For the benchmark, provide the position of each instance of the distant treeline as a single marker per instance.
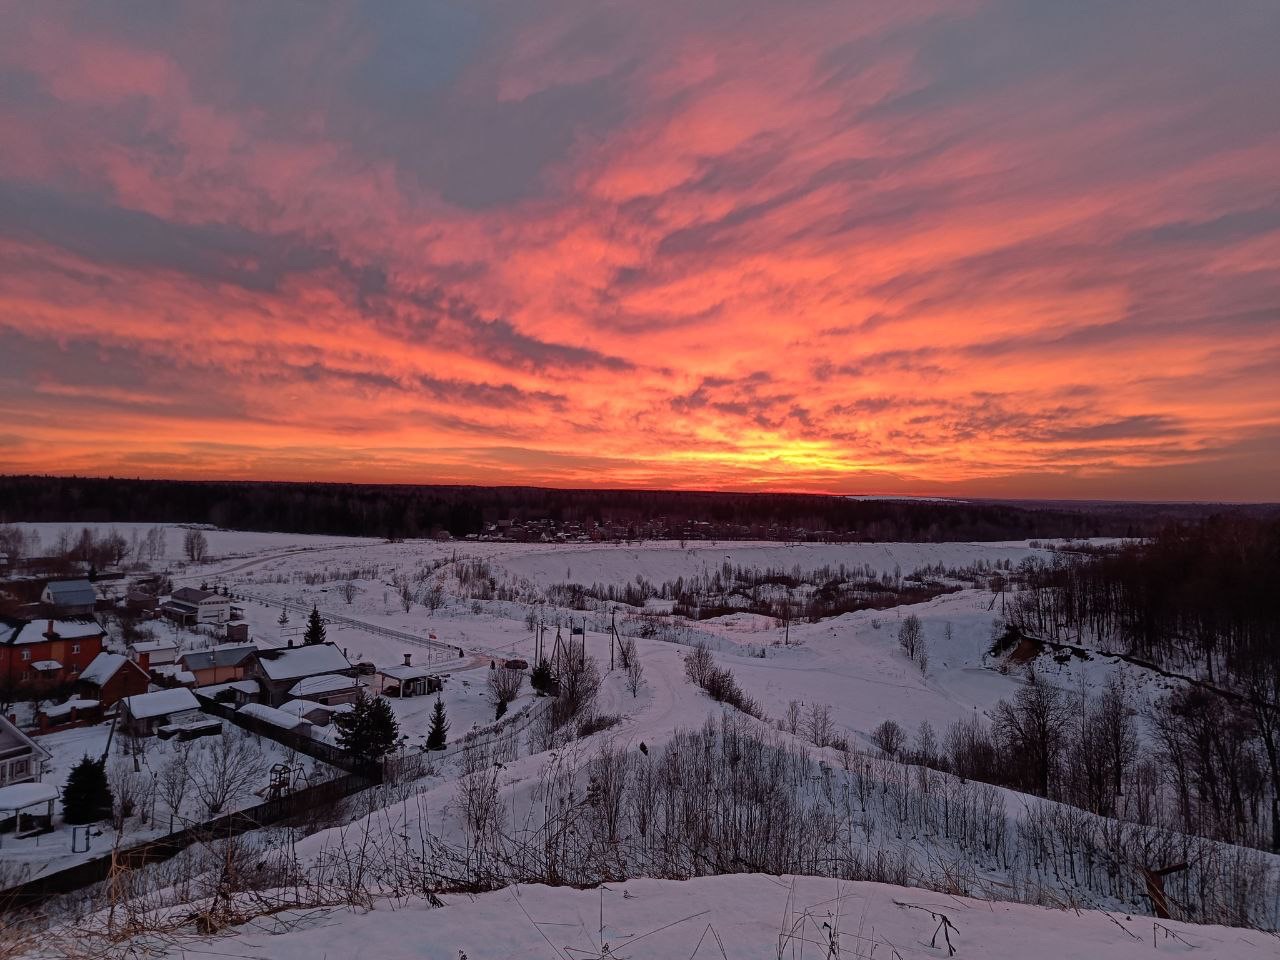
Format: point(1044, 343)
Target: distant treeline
point(420, 511)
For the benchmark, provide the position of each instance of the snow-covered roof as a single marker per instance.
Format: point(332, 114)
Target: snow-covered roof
point(43, 665)
point(192, 595)
point(64, 709)
point(75, 629)
point(15, 632)
point(242, 686)
point(300, 708)
point(291, 663)
point(103, 667)
point(152, 646)
point(400, 671)
point(221, 656)
point(327, 683)
point(144, 706)
point(9, 630)
point(71, 592)
point(18, 796)
point(271, 715)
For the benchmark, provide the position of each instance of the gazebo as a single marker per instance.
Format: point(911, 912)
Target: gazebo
point(18, 798)
point(412, 680)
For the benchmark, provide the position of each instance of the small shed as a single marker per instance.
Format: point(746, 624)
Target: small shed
point(146, 712)
point(153, 653)
point(276, 718)
point(309, 710)
point(236, 692)
point(329, 689)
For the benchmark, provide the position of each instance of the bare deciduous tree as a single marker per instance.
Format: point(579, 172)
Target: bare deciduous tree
point(889, 738)
point(817, 724)
point(173, 779)
point(505, 683)
point(227, 770)
point(195, 545)
point(911, 636)
point(635, 671)
point(348, 590)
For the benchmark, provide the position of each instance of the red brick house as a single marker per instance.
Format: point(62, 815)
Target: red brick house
point(45, 654)
point(110, 678)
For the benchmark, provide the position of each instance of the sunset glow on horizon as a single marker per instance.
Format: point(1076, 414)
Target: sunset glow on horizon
point(972, 248)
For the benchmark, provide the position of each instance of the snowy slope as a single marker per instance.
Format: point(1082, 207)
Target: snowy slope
point(738, 917)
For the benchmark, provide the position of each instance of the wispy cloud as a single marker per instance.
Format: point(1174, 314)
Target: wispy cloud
point(1000, 246)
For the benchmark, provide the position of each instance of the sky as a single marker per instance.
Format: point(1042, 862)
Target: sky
point(1008, 248)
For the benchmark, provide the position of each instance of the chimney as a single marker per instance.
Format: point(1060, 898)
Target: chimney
point(49, 630)
point(407, 658)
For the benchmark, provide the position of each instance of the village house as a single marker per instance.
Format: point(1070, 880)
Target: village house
point(21, 758)
point(26, 804)
point(220, 664)
point(280, 670)
point(153, 653)
point(189, 606)
point(144, 714)
point(69, 598)
point(42, 655)
point(111, 677)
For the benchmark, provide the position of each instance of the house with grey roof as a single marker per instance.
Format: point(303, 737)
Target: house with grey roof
point(281, 670)
point(69, 598)
point(220, 664)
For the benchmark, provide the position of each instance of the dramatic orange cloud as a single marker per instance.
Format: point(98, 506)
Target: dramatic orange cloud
point(1001, 247)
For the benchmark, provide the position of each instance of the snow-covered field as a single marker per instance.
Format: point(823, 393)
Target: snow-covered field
point(851, 664)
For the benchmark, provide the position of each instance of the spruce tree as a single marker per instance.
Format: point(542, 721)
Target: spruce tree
point(315, 628)
point(284, 617)
point(86, 797)
point(437, 735)
point(367, 732)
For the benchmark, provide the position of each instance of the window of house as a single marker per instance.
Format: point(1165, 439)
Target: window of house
point(26, 654)
point(19, 768)
point(75, 648)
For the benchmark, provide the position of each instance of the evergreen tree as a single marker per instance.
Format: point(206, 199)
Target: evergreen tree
point(437, 735)
point(283, 618)
point(315, 628)
point(368, 732)
point(541, 679)
point(86, 797)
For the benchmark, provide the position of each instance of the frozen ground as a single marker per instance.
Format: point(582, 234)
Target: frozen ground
point(742, 917)
point(851, 663)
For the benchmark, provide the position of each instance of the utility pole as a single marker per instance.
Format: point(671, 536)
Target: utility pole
point(613, 634)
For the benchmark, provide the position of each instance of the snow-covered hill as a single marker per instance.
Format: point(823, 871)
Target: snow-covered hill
point(740, 917)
